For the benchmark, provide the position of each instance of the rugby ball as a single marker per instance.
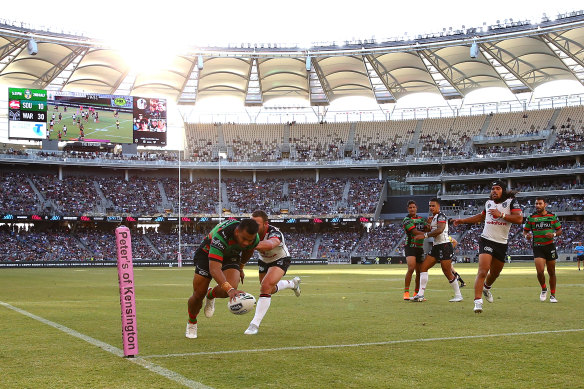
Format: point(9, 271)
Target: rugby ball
point(242, 303)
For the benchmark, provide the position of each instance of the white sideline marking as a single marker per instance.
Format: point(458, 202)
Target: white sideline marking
point(113, 350)
point(361, 344)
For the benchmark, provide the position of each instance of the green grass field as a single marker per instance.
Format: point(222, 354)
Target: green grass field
point(349, 329)
point(105, 129)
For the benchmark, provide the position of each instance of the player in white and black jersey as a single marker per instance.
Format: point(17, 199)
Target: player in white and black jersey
point(273, 265)
point(501, 210)
point(442, 251)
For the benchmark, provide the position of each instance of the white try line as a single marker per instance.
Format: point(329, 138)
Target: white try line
point(113, 350)
point(301, 348)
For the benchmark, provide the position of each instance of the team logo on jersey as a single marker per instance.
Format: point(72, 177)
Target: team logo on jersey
point(505, 204)
point(489, 205)
point(217, 243)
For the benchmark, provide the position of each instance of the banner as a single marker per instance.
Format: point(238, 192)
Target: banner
point(127, 291)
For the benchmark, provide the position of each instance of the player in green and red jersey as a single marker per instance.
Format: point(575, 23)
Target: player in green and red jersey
point(221, 256)
point(543, 227)
point(414, 227)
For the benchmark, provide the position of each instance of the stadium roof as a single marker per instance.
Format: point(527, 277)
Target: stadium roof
point(519, 56)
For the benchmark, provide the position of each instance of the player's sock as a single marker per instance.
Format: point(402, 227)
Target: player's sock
point(192, 319)
point(455, 286)
point(487, 287)
point(407, 289)
point(416, 291)
point(544, 287)
point(553, 292)
point(284, 284)
point(261, 308)
point(423, 282)
point(211, 293)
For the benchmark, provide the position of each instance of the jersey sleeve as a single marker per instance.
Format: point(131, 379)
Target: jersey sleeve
point(556, 223)
point(275, 234)
point(408, 224)
point(255, 243)
point(441, 218)
point(514, 206)
point(527, 226)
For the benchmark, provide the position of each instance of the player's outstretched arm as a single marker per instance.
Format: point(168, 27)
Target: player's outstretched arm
point(267, 245)
point(478, 218)
point(219, 277)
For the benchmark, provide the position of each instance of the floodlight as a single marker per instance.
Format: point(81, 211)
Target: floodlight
point(200, 62)
point(474, 50)
point(308, 63)
point(32, 47)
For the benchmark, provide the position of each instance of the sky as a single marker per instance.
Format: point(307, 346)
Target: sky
point(262, 21)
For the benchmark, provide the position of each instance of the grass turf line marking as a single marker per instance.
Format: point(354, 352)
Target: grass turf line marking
point(300, 348)
point(113, 350)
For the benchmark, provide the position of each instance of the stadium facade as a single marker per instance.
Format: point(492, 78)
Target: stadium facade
point(318, 179)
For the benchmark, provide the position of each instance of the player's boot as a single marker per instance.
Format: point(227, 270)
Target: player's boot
point(553, 299)
point(462, 283)
point(456, 299)
point(418, 298)
point(191, 332)
point(478, 306)
point(543, 295)
point(406, 295)
point(488, 295)
point(296, 288)
point(251, 330)
point(209, 306)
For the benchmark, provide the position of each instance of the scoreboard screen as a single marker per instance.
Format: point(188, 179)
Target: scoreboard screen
point(74, 116)
point(149, 121)
point(106, 118)
point(78, 116)
point(27, 113)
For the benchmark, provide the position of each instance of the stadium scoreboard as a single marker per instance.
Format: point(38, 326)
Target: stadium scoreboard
point(27, 113)
point(36, 114)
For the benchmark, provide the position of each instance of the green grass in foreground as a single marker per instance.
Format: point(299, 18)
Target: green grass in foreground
point(340, 305)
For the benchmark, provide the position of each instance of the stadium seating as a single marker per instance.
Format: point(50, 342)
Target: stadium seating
point(247, 196)
point(519, 123)
point(254, 142)
point(383, 140)
point(201, 142)
point(308, 197)
point(337, 246)
point(138, 195)
point(380, 241)
point(71, 195)
point(16, 194)
point(449, 136)
point(197, 197)
point(313, 142)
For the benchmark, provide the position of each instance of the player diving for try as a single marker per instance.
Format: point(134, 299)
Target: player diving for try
point(221, 256)
point(273, 265)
